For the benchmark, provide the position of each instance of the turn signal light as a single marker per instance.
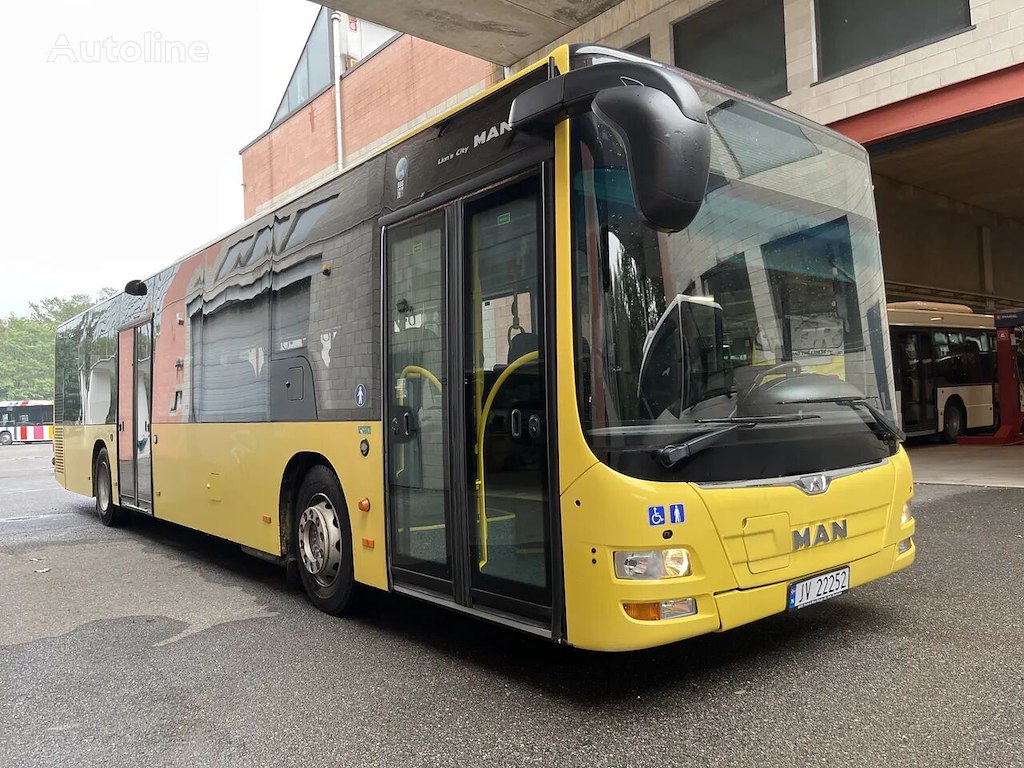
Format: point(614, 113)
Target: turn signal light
point(661, 610)
point(364, 505)
point(643, 611)
point(904, 546)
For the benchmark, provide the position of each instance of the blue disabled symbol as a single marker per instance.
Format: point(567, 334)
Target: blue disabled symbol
point(656, 516)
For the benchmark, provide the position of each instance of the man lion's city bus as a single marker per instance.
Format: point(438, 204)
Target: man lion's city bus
point(600, 355)
point(26, 421)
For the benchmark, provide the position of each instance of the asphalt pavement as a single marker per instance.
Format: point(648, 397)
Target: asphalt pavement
point(150, 645)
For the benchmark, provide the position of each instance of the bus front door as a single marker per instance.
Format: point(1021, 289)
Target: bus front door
point(916, 385)
point(134, 394)
point(466, 415)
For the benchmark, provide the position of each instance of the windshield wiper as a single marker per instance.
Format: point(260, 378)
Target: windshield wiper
point(670, 455)
point(854, 402)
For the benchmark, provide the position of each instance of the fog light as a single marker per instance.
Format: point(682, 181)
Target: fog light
point(652, 564)
point(662, 610)
point(907, 515)
point(904, 546)
point(676, 609)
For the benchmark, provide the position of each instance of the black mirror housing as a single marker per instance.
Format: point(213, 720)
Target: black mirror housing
point(654, 112)
point(668, 154)
point(136, 288)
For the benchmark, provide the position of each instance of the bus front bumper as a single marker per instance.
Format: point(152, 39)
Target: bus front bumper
point(727, 610)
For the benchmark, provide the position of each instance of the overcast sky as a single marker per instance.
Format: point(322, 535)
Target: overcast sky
point(112, 169)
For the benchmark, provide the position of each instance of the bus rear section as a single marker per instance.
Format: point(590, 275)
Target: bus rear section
point(26, 421)
point(944, 357)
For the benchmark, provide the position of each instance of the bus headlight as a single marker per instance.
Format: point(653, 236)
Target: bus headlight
point(652, 564)
point(907, 515)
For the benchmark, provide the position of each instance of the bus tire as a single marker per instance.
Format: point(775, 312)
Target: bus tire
point(109, 513)
point(5, 438)
point(321, 540)
point(954, 422)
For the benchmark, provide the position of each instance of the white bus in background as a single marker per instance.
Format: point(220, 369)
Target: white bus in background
point(26, 421)
point(944, 360)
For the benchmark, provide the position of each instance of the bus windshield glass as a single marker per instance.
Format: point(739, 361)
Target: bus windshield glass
point(770, 303)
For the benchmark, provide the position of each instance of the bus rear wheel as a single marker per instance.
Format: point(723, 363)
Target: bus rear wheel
point(109, 513)
point(321, 541)
point(954, 421)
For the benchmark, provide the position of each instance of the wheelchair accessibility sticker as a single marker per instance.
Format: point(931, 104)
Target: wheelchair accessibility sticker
point(657, 516)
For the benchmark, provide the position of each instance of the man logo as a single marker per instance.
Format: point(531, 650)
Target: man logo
point(492, 133)
point(822, 535)
point(813, 484)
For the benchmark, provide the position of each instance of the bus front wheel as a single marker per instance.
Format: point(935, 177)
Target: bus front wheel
point(109, 513)
point(321, 541)
point(954, 421)
point(5, 438)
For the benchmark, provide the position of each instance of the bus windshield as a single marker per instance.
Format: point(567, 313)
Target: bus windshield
point(770, 303)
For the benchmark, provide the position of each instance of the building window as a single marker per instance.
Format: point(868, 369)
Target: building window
point(312, 73)
point(741, 43)
point(641, 47)
point(853, 33)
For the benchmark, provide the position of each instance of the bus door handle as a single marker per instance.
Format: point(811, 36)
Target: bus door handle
point(402, 426)
point(535, 426)
point(516, 419)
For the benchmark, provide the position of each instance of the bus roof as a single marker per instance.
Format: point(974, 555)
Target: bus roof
point(17, 403)
point(937, 314)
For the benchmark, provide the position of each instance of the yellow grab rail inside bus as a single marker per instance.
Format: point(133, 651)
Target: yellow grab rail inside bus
point(411, 371)
point(481, 424)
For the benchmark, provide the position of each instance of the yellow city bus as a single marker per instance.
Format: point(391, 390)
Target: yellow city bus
point(507, 365)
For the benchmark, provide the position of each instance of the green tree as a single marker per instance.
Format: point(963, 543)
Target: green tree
point(27, 344)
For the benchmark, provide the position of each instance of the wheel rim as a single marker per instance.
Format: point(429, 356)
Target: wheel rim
point(103, 487)
point(5, 438)
point(320, 540)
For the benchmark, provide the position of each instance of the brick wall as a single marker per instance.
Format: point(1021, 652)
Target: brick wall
point(301, 149)
point(402, 86)
point(996, 41)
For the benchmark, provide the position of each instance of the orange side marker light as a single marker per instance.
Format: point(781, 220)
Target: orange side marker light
point(368, 543)
point(364, 505)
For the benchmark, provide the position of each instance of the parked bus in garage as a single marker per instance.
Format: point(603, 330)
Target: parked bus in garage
point(507, 365)
point(944, 359)
point(26, 421)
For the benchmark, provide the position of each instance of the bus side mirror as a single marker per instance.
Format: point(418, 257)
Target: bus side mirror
point(668, 154)
point(136, 288)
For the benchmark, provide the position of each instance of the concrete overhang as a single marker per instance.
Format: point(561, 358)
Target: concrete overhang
point(501, 31)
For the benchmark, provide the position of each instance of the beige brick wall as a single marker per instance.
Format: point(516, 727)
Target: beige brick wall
point(995, 42)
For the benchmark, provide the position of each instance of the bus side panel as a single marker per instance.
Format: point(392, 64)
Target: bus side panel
point(223, 479)
point(79, 442)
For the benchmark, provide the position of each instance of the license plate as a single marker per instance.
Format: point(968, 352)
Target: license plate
point(818, 588)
